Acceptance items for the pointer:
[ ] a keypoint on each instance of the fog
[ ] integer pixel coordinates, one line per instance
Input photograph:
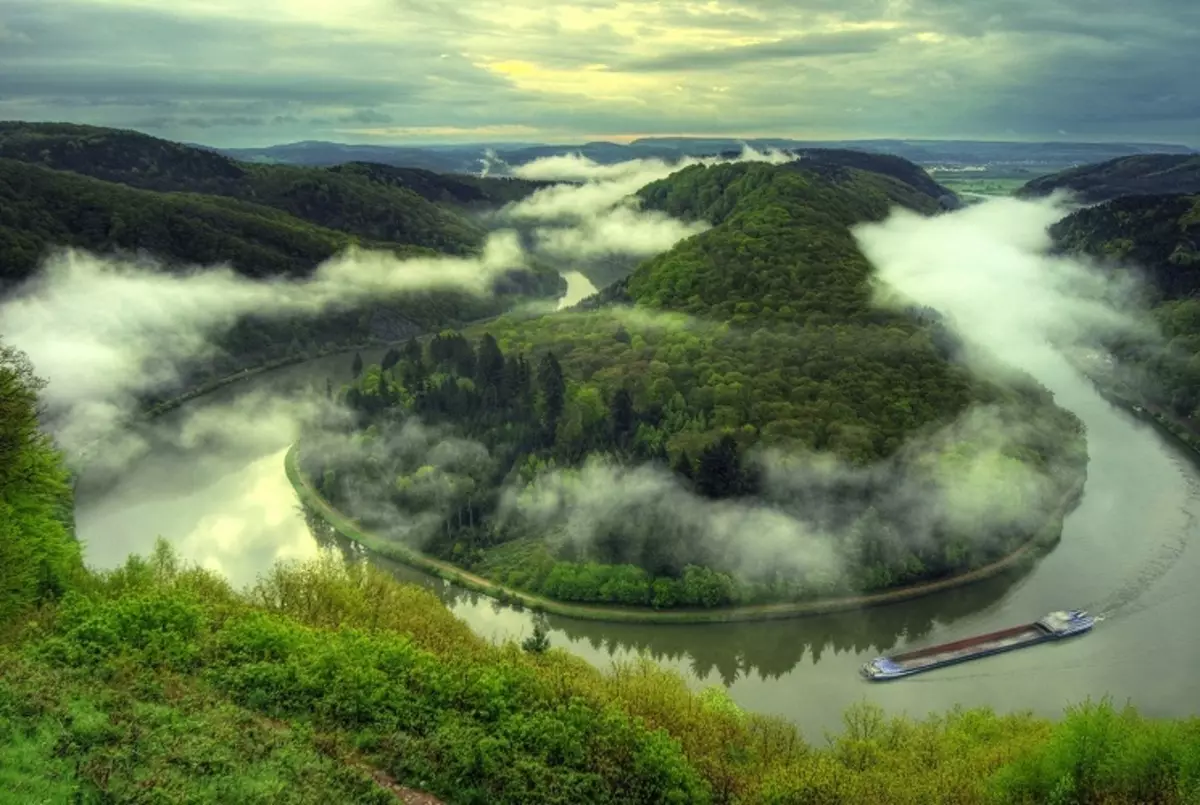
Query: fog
(599, 215)
(989, 268)
(103, 330)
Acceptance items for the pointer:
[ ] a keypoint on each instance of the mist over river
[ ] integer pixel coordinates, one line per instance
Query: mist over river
(1127, 552)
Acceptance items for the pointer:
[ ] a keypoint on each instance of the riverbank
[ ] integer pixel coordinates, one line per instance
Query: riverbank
(1129, 399)
(348, 528)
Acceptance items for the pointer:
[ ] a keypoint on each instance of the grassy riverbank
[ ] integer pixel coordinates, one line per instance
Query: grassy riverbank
(348, 528)
(333, 682)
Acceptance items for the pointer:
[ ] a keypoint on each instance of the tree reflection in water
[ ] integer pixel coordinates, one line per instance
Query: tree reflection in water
(767, 649)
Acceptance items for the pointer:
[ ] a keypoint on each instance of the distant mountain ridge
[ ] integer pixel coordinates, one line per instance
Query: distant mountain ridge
(1142, 174)
(470, 158)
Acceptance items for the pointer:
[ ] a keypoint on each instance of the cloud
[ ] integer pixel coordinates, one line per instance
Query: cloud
(989, 269)
(586, 69)
(103, 330)
(624, 230)
(596, 216)
(961, 479)
(787, 49)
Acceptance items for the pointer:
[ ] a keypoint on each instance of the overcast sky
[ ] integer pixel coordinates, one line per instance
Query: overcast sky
(257, 72)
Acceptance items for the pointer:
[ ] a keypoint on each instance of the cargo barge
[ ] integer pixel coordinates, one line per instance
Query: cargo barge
(1055, 626)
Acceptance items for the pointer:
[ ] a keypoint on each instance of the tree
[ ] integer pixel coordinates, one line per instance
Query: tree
(357, 366)
(539, 641)
(622, 416)
(390, 359)
(719, 473)
(489, 368)
(553, 390)
(38, 553)
(683, 466)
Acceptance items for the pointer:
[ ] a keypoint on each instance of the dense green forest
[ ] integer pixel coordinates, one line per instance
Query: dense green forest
(760, 333)
(1141, 174)
(372, 202)
(43, 209)
(328, 682)
(1157, 238)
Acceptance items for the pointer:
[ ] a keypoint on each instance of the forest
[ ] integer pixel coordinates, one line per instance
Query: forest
(371, 202)
(199, 223)
(332, 682)
(1157, 240)
(761, 333)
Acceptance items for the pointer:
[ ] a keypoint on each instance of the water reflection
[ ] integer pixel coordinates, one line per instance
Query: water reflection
(726, 652)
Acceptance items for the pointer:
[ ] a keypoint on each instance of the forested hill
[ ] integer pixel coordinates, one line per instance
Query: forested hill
(1159, 235)
(896, 167)
(760, 332)
(42, 208)
(781, 249)
(358, 202)
(457, 190)
(1159, 238)
(1144, 174)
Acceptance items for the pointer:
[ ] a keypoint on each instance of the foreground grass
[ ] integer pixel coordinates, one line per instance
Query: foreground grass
(157, 683)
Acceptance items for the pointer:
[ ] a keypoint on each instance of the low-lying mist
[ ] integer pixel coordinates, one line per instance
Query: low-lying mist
(104, 331)
(990, 271)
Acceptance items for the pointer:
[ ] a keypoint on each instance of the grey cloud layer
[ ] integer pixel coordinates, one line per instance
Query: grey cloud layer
(814, 68)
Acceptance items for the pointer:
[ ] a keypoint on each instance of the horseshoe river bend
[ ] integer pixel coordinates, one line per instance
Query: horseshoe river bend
(1127, 553)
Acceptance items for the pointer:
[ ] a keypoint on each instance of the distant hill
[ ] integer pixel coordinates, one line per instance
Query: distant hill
(339, 200)
(458, 190)
(1158, 237)
(469, 158)
(42, 208)
(1143, 174)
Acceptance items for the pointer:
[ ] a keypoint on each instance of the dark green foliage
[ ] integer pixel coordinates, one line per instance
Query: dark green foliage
(1158, 238)
(538, 642)
(780, 251)
(338, 200)
(1142, 174)
(455, 190)
(42, 209)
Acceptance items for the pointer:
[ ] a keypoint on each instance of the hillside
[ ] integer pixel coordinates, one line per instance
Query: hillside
(470, 192)
(43, 209)
(1142, 174)
(1158, 238)
(759, 333)
(331, 682)
(346, 201)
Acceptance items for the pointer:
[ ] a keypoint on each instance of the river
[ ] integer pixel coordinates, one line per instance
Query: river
(1127, 552)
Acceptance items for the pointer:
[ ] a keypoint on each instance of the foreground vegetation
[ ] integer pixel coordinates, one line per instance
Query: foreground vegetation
(329, 682)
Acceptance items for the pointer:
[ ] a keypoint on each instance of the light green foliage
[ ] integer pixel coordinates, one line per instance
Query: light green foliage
(38, 553)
